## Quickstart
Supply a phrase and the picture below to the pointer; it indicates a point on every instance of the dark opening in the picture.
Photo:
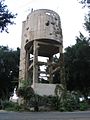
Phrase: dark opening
(47, 24)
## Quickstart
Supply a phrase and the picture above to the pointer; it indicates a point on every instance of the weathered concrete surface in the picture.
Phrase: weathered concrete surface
(41, 37)
(45, 116)
(43, 25)
(44, 89)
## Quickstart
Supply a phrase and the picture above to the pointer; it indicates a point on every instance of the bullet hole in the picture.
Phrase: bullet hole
(57, 32)
(47, 24)
(47, 13)
(55, 18)
(27, 28)
(53, 23)
(56, 35)
(50, 33)
(26, 40)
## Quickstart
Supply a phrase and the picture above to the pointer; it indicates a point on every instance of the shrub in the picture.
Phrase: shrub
(11, 106)
(83, 105)
(26, 92)
(44, 102)
(70, 102)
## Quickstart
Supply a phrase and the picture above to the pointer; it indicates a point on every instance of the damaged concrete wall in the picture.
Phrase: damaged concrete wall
(41, 36)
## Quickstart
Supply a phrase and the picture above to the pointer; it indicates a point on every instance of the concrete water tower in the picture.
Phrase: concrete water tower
(41, 37)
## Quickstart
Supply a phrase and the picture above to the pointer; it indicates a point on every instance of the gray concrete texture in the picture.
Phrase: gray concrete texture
(41, 36)
(43, 25)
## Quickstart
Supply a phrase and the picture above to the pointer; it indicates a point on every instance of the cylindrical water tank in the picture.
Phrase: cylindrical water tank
(43, 25)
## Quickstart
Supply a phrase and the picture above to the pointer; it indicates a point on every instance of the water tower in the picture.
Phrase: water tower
(41, 38)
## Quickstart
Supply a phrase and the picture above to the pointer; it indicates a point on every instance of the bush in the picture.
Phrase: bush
(11, 106)
(70, 102)
(43, 102)
(83, 105)
(25, 92)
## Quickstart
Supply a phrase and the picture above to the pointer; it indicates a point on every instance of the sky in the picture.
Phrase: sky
(70, 12)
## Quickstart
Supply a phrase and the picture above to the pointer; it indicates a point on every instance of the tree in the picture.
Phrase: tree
(77, 66)
(9, 70)
(87, 22)
(77, 60)
(86, 3)
(26, 92)
(6, 17)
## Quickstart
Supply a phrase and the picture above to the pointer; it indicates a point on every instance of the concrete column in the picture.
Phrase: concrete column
(27, 65)
(61, 49)
(50, 70)
(35, 62)
(62, 69)
(22, 56)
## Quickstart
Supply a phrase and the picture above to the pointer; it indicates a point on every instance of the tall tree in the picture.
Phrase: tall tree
(86, 3)
(87, 23)
(77, 60)
(9, 69)
(6, 17)
(77, 64)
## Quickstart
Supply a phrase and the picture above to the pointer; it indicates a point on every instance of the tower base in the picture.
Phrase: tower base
(44, 89)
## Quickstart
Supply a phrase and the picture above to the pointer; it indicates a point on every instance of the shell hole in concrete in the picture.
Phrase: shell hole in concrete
(47, 13)
(53, 23)
(26, 40)
(50, 33)
(27, 28)
(55, 18)
(47, 23)
(56, 35)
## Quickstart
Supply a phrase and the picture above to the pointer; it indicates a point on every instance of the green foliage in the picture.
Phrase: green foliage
(77, 66)
(43, 103)
(25, 92)
(59, 75)
(87, 22)
(49, 103)
(83, 106)
(11, 106)
(6, 17)
(63, 101)
(9, 71)
(25, 83)
(66, 100)
(59, 90)
(70, 102)
(85, 3)
(77, 61)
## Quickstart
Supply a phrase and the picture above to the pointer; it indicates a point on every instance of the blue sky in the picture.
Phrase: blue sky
(70, 11)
